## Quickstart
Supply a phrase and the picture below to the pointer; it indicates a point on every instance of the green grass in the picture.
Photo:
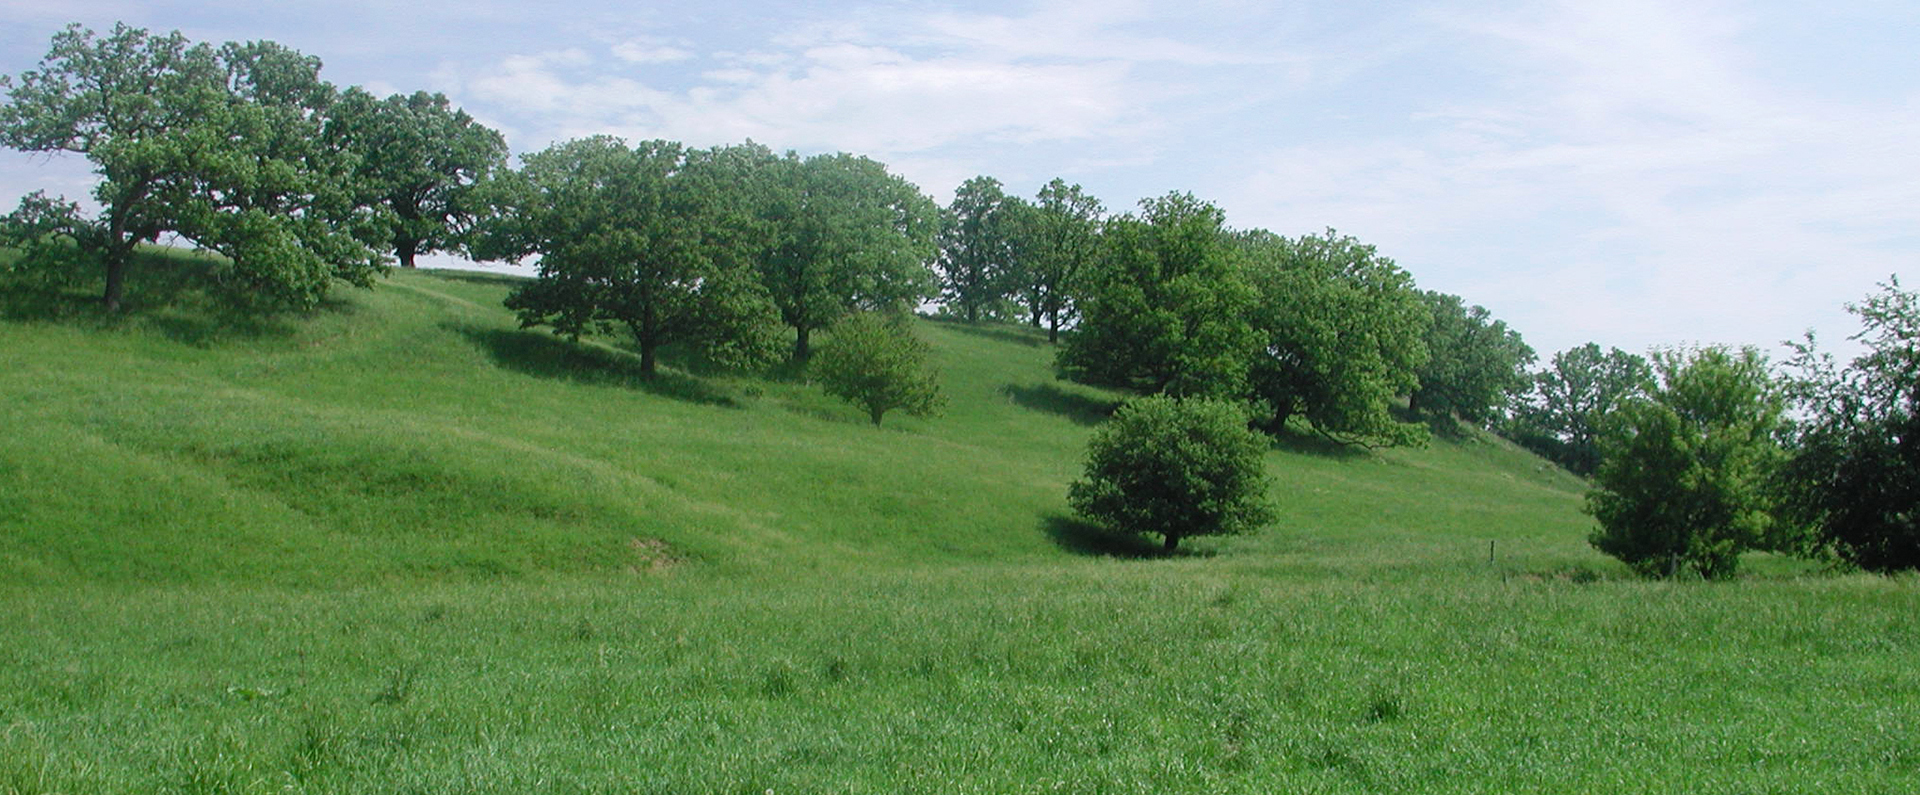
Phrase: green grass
(401, 545)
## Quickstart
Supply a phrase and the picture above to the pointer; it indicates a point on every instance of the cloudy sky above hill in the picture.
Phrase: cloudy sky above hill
(1629, 172)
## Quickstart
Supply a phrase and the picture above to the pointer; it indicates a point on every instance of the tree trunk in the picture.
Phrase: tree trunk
(649, 345)
(875, 414)
(1053, 329)
(801, 350)
(1282, 412)
(1173, 542)
(649, 358)
(116, 280)
(406, 249)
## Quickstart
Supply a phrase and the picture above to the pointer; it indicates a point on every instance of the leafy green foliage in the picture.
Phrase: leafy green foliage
(978, 235)
(636, 238)
(1854, 474)
(221, 146)
(272, 193)
(1685, 472)
(1341, 333)
(420, 158)
(874, 362)
(1165, 310)
(1175, 468)
(1560, 417)
(53, 243)
(1060, 242)
(1475, 364)
(845, 234)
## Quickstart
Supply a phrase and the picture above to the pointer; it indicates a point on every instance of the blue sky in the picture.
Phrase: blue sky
(1629, 173)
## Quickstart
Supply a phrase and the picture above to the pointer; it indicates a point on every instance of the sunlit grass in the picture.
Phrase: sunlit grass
(400, 544)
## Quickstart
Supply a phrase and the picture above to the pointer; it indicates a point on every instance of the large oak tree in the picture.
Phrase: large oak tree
(1060, 243)
(979, 235)
(646, 238)
(845, 235)
(222, 146)
(1341, 336)
(420, 158)
(1165, 309)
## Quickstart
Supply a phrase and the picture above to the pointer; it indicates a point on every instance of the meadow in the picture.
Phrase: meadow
(400, 545)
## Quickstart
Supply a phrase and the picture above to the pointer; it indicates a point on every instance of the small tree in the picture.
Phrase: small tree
(1685, 472)
(1176, 468)
(876, 363)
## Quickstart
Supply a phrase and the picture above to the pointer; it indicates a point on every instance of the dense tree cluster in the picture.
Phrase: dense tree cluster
(241, 149)
(1560, 416)
(1342, 335)
(1170, 300)
(1853, 480)
(1476, 365)
(1166, 307)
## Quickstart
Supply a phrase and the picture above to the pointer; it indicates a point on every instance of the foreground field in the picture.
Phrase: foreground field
(403, 546)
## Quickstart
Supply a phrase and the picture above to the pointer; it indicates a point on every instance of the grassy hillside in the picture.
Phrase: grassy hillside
(415, 431)
(402, 545)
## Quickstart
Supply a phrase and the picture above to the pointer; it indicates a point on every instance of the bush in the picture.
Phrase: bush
(1685, 472)
(875, 363)
(1176, 468)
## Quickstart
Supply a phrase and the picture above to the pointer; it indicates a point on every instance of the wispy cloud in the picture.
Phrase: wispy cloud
(1635, 182)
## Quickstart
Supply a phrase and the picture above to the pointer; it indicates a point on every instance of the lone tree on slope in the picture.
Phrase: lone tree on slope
(1175, 468)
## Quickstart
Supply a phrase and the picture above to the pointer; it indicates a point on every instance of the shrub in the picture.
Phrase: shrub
(1176, 468)
(875, 363)
(1685, 472)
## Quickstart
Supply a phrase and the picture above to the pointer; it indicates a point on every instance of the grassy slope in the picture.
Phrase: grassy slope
(402, 544)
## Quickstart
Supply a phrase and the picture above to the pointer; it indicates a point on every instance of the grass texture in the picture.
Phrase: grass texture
(401, 545)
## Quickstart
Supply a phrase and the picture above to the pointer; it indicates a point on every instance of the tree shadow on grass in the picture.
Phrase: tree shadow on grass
(545, 355)
(471, 277)
(1293, 439)
(175, 299)
(1003, 332)
(1052, 399)
(1082, 537)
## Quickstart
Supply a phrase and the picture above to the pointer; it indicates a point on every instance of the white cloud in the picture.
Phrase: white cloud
(838, 95)
(651, 51)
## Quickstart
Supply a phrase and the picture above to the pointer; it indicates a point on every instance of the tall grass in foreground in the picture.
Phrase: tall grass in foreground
(1168, 676)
